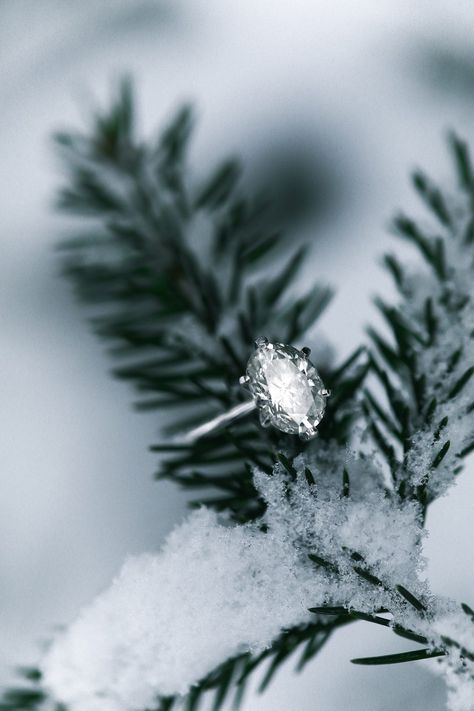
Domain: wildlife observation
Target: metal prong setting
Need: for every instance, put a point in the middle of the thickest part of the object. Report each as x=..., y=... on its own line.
x=244, y=380
x=261, y=341
x=306, y=351
x=325, y=392
x=265, y=419
x=306, y=432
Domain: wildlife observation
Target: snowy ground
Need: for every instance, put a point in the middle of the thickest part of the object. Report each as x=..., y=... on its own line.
x=76, y=492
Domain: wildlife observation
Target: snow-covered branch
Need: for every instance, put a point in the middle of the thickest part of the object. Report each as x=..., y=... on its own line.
x=217, y=590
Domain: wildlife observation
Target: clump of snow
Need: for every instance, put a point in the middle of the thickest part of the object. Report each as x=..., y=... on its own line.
x=168, y=619
x=368, y=523
x=216, y=590
x=455, y=630
x=460, y=689
x=460, y=685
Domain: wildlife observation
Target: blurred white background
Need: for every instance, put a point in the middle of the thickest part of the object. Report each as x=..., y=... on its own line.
x=368, y=89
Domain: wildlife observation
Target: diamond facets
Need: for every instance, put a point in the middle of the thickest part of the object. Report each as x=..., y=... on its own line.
x=286, y=387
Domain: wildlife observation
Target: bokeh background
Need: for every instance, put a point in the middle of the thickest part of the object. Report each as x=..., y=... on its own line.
x=336, y=102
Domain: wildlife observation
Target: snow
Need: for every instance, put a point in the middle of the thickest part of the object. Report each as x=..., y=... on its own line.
x=216, y=590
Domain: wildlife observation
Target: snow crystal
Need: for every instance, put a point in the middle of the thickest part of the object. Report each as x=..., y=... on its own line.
x=215, y=590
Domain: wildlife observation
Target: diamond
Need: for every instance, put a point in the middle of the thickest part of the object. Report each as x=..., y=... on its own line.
x=287, y=388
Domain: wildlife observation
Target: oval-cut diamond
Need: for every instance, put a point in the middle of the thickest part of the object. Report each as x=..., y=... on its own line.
x=287, y=388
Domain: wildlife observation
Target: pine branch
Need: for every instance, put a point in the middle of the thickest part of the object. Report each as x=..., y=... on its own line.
x=182, y=278
x=425, y=370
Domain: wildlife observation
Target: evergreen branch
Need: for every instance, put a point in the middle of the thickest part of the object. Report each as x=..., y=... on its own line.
x=183, y=330
x=426, y=373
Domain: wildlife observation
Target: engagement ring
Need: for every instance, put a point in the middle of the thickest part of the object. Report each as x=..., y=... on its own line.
x=285, y=387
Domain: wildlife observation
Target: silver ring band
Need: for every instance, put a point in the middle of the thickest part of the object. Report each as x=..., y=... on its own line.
x=243, y=408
